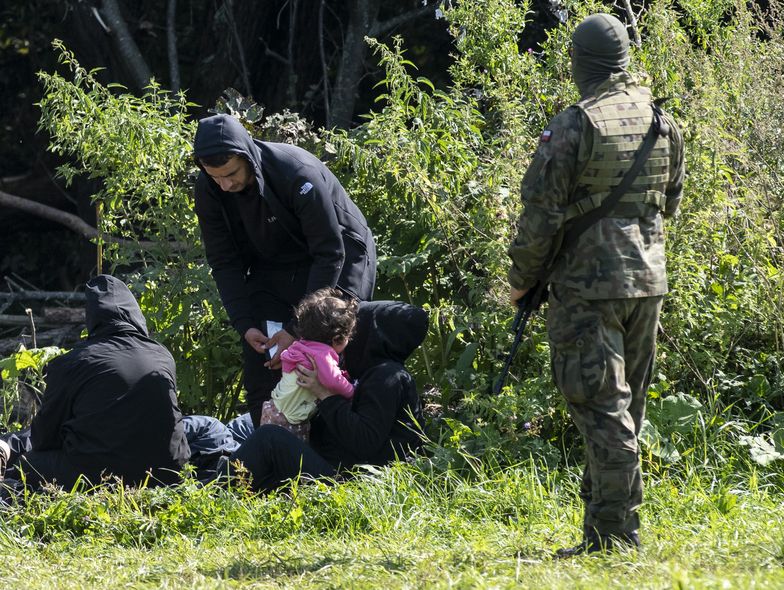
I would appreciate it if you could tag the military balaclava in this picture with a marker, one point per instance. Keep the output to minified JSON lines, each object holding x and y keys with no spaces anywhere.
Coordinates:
{"x":600,"y":47}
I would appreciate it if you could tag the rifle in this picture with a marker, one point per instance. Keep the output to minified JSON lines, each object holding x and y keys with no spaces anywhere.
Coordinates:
{"x":526,"y":305}
{"x":533,"y":298}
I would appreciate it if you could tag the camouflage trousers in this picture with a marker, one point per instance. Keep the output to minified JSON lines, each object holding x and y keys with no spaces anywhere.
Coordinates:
{"x":602,"y":355}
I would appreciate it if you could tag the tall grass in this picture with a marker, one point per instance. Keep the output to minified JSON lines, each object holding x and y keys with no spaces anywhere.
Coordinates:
{"x":400,"y":527}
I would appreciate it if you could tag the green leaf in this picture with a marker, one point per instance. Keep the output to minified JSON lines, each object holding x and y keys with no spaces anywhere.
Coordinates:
{"x":658,"y":445}
{"x":762,"y":448}
{"x":675,"y":413}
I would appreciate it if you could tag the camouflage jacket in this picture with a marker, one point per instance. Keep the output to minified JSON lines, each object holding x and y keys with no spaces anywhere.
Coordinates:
{"x":620,"y":256}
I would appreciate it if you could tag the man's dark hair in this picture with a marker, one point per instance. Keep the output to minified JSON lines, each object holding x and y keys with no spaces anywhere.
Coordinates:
{"x":216,"y":160}
{"x":324,"y":315}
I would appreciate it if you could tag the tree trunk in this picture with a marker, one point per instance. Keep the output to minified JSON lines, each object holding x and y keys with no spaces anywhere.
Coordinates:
{"x":362,"y":18}
{"x":291,"y":73}
{"x":171,"y":45}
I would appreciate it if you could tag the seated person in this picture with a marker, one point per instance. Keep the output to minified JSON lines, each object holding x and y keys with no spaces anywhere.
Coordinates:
{"x":110,"y":404}
{"x":374,"y":427}
{"x":324,"y":322}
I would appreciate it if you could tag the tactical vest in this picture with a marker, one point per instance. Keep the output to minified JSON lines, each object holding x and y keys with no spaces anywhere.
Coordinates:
{"x":620,"y":118}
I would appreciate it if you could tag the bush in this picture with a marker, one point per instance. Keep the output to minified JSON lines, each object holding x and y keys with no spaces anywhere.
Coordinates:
{"x":436,"y":172}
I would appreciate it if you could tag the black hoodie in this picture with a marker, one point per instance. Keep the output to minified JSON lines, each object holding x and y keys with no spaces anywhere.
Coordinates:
{"x":296,"y":215}
{"x":110,"y":403}
{"x":375,"y":426}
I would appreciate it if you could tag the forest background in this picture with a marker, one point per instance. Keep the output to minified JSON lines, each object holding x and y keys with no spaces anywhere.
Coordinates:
{"x":434,"y":157}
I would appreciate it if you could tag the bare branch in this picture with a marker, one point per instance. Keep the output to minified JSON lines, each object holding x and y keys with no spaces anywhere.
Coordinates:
{"x":240,"y":49}
{"x":126,"y":46}
{"x":627,"y":6}
{"x":291,"y":89}
{"x":325,"y":74}
{"x":171,"y":44}
{"x":29,"y":314}
{"x":74,"y":222}
{"x":42,"y":296}
{"x":271,"y":53}
{"x":25,"y":320}
{"x":97,"y":16}
{"x":379,"y":28}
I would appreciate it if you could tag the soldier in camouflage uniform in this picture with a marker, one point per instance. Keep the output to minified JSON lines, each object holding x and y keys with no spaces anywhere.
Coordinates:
{"x":606,"y":291}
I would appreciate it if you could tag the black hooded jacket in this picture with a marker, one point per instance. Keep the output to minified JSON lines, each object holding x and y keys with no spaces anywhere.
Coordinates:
{"x":296,"y":215}
{"x":376,"y":425}
{"x":110,"y":403}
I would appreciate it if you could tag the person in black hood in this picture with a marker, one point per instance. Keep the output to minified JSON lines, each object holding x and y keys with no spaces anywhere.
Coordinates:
{"x":110,"y":404}
{"x":276,"y":225}
{"x":378,"y":425}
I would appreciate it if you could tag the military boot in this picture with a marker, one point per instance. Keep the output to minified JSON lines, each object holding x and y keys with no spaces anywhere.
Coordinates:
{"x":595,"y":543}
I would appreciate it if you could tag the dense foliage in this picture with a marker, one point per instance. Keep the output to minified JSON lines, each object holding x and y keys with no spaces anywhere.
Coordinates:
{"x":437,"y":171}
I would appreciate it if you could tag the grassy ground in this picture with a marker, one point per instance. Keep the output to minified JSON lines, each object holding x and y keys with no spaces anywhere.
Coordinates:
{"x":398,"y":528}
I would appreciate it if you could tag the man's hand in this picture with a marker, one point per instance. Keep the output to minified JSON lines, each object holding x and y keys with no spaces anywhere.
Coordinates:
{"x":282,"y":340}
{"x":256,"y":339}
{"x":516,"y":294}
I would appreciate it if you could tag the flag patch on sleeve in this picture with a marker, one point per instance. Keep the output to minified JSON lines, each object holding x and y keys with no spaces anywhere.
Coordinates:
{"x":546,"y":135}
{"x":305,"y":188}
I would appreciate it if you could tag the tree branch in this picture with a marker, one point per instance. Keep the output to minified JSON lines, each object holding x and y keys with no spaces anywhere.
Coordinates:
{"x":291,"y":89}
{"x":235,"y":33}
{"x":324,"y":71}
{"x":126,"y":46}
{"x":271,"y":53}
{"x":380,"y":28}
{"x":362,"y":16}
{"x":171,"y":45}
{"x":627,"y":6}
{"x":42,"y":296}
{"x":74,"y":222}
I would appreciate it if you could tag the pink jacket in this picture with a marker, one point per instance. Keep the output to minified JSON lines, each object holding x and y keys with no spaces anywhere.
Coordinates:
{"x":326,"y":359}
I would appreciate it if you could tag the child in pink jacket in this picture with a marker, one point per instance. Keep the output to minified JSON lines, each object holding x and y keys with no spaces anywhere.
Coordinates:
{"x":324,"y":324}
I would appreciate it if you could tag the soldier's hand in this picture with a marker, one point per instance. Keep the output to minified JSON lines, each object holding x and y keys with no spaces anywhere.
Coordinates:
{"x":256,"y":339}
{"x":516,"y":294}
{"x":282,"y":340}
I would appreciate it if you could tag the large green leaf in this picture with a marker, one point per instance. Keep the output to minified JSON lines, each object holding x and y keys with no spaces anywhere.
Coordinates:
{"x":658,"y":445}
{"x":675,"y":413}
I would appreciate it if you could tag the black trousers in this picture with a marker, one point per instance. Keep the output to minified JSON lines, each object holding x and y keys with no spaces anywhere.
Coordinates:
{"x":272,"y":455}
{"x":35,"y":468}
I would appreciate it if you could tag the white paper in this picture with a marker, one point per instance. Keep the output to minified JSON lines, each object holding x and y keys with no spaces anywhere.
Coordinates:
{"x":272,"y":329}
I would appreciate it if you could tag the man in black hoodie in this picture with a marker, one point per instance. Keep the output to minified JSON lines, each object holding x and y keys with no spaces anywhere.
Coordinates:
{"x":276,"y":225}
{"x":110,"y":404}
{"x":379,"y":424}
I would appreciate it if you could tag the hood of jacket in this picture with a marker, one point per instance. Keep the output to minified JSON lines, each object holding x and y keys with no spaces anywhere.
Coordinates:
{"x":112,"y":308}
{"x":224,"y":134}
{"x":386,"y":331}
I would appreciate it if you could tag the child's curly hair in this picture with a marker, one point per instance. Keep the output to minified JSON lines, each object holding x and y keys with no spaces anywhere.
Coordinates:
{"x":325,"y":315}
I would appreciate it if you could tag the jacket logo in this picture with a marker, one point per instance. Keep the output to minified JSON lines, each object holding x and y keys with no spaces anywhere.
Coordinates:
{"x":272,"y":219}
{"x":305,"y":188}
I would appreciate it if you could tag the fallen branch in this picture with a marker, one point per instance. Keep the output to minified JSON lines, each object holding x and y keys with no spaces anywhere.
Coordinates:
{"x":67,"y":335}
{"x":42,"y":296}
{"x":23,"y":320}
{"x":75,"y":223}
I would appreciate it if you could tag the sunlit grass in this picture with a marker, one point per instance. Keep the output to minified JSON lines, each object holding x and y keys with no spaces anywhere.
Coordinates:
{"x":399,"y":528}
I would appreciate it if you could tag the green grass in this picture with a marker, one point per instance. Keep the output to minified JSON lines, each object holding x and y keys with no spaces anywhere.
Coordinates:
{"x":399,"y":528}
